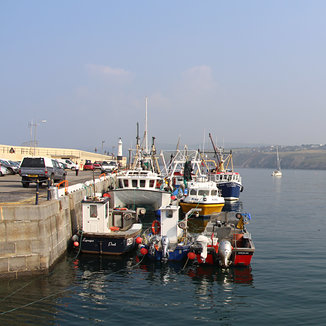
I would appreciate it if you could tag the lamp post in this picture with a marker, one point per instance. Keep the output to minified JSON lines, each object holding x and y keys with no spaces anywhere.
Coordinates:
{"x":31,"y":125}
{"x":103,"y":141}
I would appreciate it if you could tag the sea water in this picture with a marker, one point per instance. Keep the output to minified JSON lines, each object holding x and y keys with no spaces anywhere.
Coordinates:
{"x":285,"y":284}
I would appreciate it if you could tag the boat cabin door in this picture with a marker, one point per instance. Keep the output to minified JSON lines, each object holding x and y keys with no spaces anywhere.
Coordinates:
{"x":169,"y":222}
{"x":95,"y":216}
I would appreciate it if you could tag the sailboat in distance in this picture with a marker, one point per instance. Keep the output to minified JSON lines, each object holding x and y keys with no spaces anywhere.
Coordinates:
{"x":277,"y":172}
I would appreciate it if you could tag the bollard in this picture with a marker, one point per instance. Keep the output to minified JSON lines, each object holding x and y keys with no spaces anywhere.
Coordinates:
{"x":37,"y":192}
{"x":49,"y":191}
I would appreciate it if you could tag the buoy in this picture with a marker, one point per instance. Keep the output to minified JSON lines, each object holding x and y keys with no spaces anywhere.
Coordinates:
{"x":114,"y":228}
{"x":143,"y":251}
{"x":76,"y":243}
{"x":191,"y":255}
{"x":106,"y":195}
{"x":139,"y":240}
{"x":173,"y":197}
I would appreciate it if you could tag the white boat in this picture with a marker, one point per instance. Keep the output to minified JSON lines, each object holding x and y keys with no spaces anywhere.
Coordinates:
{"x":139,"y":188}
{"x":204,"y":195}
{"x":142,"y":184}
{"x":277,"y":172}
{"x":105,"y":230}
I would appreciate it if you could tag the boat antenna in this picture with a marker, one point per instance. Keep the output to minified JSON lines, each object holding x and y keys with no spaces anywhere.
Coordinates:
{"x":215,"y":149}
{"x":137,"y":136}
{"x":146,"y":141}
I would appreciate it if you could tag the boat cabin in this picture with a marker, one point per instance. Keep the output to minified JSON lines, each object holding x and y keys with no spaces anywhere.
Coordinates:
{"x":98,"y":218}
{"x":227,"y":177}
{"x":139,"y":180}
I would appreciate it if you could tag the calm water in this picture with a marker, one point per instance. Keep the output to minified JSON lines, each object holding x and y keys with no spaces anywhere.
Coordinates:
{"x":286,"y":284}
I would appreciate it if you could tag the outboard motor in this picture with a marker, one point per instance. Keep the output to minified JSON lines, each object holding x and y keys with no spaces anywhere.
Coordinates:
{"x":203,"y":241}
{"x":224,"y":253}
{"x":165,"y":247}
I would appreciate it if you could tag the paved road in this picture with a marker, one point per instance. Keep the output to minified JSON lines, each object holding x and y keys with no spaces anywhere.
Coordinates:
{"x":12,"y":191}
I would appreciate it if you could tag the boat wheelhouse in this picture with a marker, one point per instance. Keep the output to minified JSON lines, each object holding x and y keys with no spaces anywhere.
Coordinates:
{"x":202,"y":194}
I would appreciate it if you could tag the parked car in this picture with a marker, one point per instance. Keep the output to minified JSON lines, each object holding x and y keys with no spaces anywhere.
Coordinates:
{"x":97,"y":164}
{"x":88,"y":165}
{"x":40,"y":169}
{"x":109,"y":167}
{"x":11,"y":168}
{"x":3,"y":170}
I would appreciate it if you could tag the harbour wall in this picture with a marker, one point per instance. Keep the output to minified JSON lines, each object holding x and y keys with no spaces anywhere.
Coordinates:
{"x":17,"y":153}
{"x":34,"y":237}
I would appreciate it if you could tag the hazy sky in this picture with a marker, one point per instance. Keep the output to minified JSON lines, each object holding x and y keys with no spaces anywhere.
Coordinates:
{"x":245,"y":71}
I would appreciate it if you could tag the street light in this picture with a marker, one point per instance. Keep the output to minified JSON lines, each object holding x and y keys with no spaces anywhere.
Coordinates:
{"x":31,"y":125}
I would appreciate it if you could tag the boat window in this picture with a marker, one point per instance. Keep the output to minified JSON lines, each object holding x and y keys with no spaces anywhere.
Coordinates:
{"x":126,"y":183}
{"x":169,"y":213}
{"x":134,"y":183}
{"x":152,"y":183}
{"x":203,"y":192}
{"x":120,"y":184}
{"x":193,"y":192}
{"x":142,"y":183}
{"x":106,"y":210}
{"x":117,"y":220}
{"x":93,"y":210}
{"x":214,"y":192}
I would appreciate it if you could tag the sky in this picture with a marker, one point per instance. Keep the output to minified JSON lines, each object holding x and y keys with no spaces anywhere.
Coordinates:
{"x":248,"y":72}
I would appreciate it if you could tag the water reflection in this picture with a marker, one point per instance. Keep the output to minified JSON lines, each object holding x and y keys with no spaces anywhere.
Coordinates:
{"x":34,"y":299}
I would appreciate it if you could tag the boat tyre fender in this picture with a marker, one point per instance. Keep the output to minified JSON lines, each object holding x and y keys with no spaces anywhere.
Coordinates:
{"x":156,"y":227}
{"x":182,"y":225}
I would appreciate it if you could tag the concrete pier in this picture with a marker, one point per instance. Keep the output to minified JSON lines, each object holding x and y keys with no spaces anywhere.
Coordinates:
{"x":34,"y":237}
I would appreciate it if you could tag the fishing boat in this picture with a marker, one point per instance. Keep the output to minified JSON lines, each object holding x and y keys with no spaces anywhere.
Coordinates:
{"x":277,"y":172}
{"x":140,"y":188}
{"x":167,"y":239}
{"x":225,"y":241}
{"x":202,"y":194}
{"x":142,"y":184}
{"x":105,"y":230}
{"x":222,"y":172}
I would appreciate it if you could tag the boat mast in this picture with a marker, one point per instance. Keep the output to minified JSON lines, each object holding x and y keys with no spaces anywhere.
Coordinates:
{"x":146,"y":140}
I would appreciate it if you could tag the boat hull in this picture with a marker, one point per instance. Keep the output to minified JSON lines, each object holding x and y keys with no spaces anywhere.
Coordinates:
{"x":206,"y":209}
{"x":240,"y":257}
{"x":178,"y":254}
{"x":115,"y":244}
{"x":140,"y":198}
{"x":230,"y":190}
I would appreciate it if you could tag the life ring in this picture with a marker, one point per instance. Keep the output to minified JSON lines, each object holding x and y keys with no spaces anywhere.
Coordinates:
{"x":156,"y":227}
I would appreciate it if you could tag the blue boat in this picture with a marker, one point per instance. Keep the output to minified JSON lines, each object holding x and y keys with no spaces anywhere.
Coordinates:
{"x":167,"y":239}
{"x":227,"y":180}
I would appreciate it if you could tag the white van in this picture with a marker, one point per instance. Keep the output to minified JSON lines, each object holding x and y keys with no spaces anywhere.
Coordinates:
{"x":70,"y":164}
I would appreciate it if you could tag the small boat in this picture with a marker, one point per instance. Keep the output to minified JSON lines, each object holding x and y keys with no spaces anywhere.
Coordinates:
{"x":167,"y":239}
{"x":277,"y":172}
{"x":202,"y":194}
{"x":105,"y":230}
{"x":225,"y":241}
